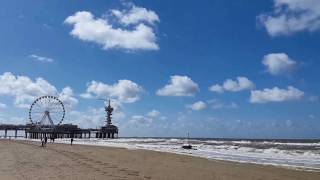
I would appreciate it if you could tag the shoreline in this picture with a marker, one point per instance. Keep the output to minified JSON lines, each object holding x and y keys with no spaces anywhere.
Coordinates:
{"x":297,"y":168}
{"x":97,"y":161}
{"x":292,"y":167}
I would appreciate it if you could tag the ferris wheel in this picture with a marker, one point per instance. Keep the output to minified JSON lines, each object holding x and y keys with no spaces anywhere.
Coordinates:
{"x":46,"y":111}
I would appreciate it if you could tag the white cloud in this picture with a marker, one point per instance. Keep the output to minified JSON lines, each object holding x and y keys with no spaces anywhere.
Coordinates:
{"x":217,"y":104}
{"x":179,"y":86}
{"x":25,"y":90}
{"x":67,"y":97}
{"x":154,"y":113}
{"x":311,"y":116}
{"x":91,"y":118}
{"x":146,"y":120}
{"x":242,"y":83}
{"x":216,"y":88}
{"x":136,"y":15}
{"x":163,"y":118}
{"x":124,"y":91}
{"x":289,"y":123}
{"x":314,"y":98}
{"x":140,"y":36}
{"x":278,"y":63}
{"x":41,"y":58}
{"x":276,"y":95}
{"x":140,"y":120}
{"x":2,"y":106}
{"x":197,"y":106}
{"x":5,"y":119}
{"x":291,"y":16}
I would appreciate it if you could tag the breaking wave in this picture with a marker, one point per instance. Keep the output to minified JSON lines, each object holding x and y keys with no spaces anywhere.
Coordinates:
{"x":288,"y":153}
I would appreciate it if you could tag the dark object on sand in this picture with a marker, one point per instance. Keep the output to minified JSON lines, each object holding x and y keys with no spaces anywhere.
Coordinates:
{"x":71,"y":141}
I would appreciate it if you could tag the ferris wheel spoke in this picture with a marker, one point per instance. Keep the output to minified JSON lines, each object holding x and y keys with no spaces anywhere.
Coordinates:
{"x":36,"y":109}
{"x":57,"y":111}
{"x":49,"y":103}
{"x":44,"y":102}
{"x":58,"y":105}
{"x":38,"y":112}
{"x":54,"y":107}
{"x":54,"y":111}
{"x":38,"y":105}
{"x":56,"y":114}
{"x":55,"y":118}
{"x":35,"y":118}
{"x":40,"y":119}
{"x":54,"y":104}
{"x":41,"y":105}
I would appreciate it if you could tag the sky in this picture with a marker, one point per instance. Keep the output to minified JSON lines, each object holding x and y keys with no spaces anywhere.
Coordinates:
{"x":214,"y":68}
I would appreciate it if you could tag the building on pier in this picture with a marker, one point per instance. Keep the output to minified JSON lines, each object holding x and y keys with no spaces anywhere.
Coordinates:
{"x":109,"y":130}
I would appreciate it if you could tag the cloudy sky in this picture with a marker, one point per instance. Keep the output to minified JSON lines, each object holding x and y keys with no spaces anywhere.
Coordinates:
{"x":213,"y":68}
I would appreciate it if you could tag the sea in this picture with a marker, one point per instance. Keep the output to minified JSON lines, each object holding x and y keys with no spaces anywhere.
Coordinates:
{"x":296,"y":154}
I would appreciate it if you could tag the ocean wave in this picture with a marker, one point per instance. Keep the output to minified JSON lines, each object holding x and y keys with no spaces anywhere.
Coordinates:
{"x":287,"y":154}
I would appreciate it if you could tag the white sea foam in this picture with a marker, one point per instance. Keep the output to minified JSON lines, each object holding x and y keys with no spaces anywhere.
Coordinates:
{"x":292,"y":154}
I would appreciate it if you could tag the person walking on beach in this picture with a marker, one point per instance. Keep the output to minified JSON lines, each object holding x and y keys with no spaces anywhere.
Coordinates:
{"x":71,"y":141}
{"x":45,"y":140}
{"x":42,"y":142}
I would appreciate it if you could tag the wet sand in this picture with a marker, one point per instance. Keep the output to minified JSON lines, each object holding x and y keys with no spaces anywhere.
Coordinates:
{"x":28,"y":160}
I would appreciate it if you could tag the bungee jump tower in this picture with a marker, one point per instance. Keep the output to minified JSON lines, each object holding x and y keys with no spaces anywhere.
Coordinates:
{"x":109,"y":130}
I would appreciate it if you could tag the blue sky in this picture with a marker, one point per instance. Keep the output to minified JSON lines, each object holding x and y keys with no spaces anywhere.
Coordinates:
{"x":213,"y":68}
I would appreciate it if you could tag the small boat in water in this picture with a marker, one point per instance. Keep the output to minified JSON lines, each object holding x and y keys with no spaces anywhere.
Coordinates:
{"x":188,"y":145}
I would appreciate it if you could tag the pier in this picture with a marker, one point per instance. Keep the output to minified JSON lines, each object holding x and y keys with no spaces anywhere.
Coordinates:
{"x":45,"y":126}
{"x":59,"y":131}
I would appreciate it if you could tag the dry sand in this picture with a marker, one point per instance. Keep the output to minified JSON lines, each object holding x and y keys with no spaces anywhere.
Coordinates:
{"x":27,"y":160}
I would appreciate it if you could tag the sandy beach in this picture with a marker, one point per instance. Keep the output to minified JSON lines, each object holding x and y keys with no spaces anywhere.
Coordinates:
{"x":27,"y":160}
